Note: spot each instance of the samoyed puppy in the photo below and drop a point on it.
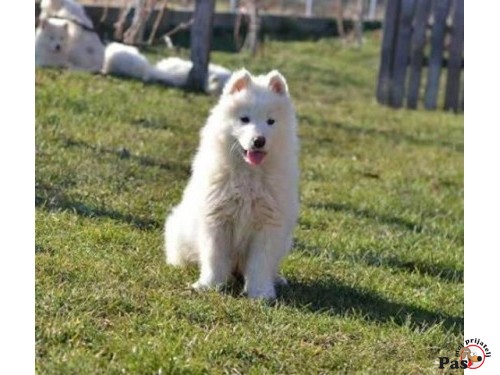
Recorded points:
(241, 204)
(125, 61)
(51, 44)
(62, 43)
(86, 51)
(65, 9)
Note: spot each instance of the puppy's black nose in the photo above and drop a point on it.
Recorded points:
(259, 142)
(58, 47)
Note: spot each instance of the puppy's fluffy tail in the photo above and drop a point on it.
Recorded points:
(126, 61)
(172, 71)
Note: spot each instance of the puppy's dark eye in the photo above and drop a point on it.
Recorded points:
(245, 119)
(270, 121)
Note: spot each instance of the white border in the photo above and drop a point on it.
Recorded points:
(482, 178)
(17, 185)
(17, 147)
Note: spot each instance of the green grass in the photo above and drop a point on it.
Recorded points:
(376, 273)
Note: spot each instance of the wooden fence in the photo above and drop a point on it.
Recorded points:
(422, 34)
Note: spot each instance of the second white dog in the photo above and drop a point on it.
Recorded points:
(241, 205)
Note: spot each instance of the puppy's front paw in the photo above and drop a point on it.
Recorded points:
(201, 286)
(268, 293)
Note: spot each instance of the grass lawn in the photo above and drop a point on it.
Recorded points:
(376, 273)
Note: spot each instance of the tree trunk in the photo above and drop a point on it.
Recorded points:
(120, 24)
(159, 17)
(358, 26)
(135, 33)
(339, 15)
(201, 44)
(252, 40)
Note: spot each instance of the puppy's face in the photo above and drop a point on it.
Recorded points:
(256, 109)
(54, 35)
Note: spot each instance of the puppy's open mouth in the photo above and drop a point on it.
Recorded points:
(253, 157)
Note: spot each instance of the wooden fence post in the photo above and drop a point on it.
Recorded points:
(455, 58)
(358, 22)
(339, 18)
(404, 46)
(201, 44)
(388, 43)
(440, 11)
(252, 39)
(401, 53)
(417, 51)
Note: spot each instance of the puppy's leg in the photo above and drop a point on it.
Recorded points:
(215, 258)
(180, 238)
(265, 252)
(173, 240)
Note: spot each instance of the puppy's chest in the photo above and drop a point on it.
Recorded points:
(246, 201)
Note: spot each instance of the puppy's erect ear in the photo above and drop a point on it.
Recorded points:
(239, 81)
(277, 83)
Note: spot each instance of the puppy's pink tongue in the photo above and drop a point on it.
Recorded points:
(255, 157)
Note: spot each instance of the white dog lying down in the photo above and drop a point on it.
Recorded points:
(63, 43)
(241, 203)
(174, 70)
(126, 61)
(123, 60)
(67, 9)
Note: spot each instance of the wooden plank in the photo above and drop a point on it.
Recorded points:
(417, 51)
(390, 27)
(440, 12)
(401, 55)
(455, 58)
(462, 93)
(201, 44)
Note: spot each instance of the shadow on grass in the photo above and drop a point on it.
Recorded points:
(400, 137)
(180, 168)
(367, 214)
(52, 199)
(148, 123)
(393, 135)
(333, 297)
(415, 266)
(374, 259)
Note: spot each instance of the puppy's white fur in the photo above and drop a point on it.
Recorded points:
(52, 44)
(86, 49)
(67, 9)
(62, 43)
(127, 61)
(235, 216)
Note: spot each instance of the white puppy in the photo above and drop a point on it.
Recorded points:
(125, 61)
(67, 9)
(241, 204)
(86, 49)
(51, 44)
(63, 43)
